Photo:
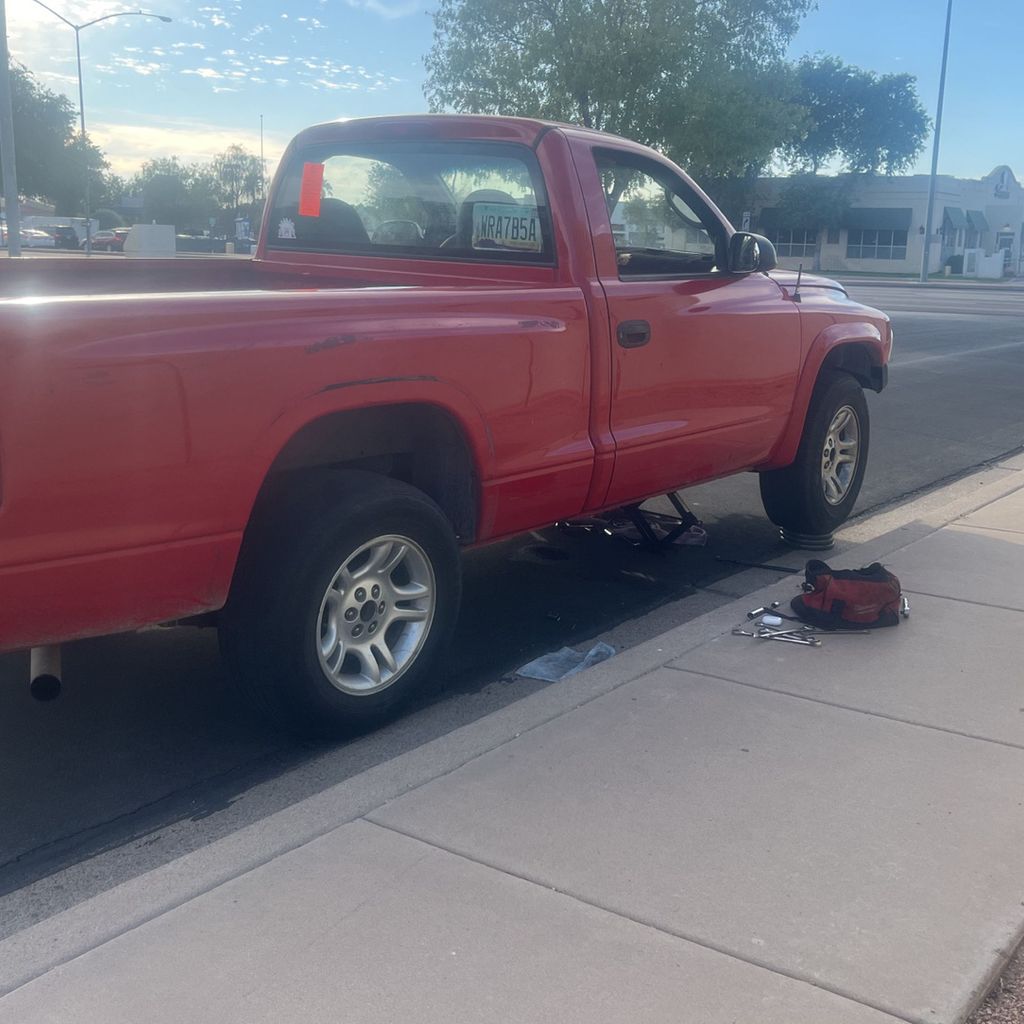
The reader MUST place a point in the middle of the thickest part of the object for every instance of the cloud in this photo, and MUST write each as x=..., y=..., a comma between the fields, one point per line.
x=140, y=67
x=203, y=72
x=129, y=146
x=390, y=11
x=47, y=47
x=188, y=46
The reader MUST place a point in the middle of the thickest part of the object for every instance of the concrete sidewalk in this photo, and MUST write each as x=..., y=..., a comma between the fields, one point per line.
x=706, y=828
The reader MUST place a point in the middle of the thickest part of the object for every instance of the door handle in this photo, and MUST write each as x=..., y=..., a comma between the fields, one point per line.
x=634, y=333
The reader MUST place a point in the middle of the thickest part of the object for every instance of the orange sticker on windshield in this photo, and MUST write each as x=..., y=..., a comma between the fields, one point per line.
x=309, y=193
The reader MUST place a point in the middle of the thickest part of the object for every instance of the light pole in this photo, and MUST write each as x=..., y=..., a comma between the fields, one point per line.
x=935, y=148
x=81, y=95
x=13, y=214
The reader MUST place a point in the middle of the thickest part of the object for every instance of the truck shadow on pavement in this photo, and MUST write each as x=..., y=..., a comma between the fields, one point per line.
x=149, y=732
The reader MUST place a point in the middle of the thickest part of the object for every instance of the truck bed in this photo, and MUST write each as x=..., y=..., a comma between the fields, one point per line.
x=106, y=275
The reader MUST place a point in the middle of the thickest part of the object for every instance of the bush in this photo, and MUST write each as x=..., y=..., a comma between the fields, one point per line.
x=956, y=264
x=109, y=219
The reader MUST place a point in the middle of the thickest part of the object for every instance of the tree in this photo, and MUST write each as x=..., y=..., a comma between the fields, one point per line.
x=53, y=160
x=866, y=122
x=174, y=193
x=238, y=175
x=704, y=80
x=43, y=126
x=81, y=160
x=108, y=218
x=815, y=201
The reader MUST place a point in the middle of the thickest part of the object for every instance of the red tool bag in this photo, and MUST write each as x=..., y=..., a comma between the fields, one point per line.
x=848, y=598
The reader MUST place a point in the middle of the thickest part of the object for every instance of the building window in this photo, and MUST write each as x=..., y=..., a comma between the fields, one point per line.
x=833, y=236
x=797, y=242
x=876, y=245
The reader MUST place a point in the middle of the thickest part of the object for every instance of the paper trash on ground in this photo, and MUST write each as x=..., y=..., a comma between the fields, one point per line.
x=558, y=665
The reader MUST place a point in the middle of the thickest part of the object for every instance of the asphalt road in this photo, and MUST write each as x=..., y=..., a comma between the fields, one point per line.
x=147, y=755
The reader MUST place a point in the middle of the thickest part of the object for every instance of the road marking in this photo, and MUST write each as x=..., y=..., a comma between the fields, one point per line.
x=960, y=354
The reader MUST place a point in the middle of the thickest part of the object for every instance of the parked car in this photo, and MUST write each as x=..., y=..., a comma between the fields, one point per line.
x=30, y=238
x=109, y=240
x=300, y=444
x=33, y=238
x=63, y=235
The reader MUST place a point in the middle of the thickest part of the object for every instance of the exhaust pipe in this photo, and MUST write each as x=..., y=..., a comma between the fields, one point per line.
x=44, y=672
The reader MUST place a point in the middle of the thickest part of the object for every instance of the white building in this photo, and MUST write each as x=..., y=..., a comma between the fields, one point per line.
x=980, y=222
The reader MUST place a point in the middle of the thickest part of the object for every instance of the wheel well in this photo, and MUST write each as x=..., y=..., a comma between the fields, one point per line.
x=854, y=359
x=418, y=444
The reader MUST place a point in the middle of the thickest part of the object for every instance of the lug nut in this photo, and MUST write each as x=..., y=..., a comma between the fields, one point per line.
x=375, y=592
x=360, y=594
x=372, y=628
x=357, y=631
x=381, y=608
x=350, y=614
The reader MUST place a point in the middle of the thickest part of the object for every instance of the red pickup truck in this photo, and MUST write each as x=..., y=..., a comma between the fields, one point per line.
x=454, y=329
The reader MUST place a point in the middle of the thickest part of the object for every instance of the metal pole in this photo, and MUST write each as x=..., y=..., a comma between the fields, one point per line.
x=81, y=121
x=263, y=166
x=935, y=148
x=81, y=97
x=7, y=143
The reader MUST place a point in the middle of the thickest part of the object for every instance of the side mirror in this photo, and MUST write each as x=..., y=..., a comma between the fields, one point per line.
x=749, y=254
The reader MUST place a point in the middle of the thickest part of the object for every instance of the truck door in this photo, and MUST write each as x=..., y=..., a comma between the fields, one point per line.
x=704, y=363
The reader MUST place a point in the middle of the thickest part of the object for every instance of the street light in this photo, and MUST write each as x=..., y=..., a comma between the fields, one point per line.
x=81, y=95
x=935, y=148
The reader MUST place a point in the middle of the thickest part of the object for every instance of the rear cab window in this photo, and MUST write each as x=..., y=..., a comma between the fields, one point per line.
x=458, y=200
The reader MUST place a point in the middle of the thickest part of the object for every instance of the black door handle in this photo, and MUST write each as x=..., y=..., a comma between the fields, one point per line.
x=634, y=333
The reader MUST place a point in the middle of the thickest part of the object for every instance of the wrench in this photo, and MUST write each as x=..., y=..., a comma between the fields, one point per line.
x=791, y=638
x=753, y=614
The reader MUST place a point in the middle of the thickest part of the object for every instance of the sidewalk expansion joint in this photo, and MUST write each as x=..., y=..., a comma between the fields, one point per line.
x=849, y=707
x=694, y=940
x=966, y=600
x=957, y=524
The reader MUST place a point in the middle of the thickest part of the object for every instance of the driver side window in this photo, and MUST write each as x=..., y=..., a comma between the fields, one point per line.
x=659, y=229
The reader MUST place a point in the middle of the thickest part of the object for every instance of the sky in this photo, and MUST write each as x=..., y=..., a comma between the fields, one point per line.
x=195, y=86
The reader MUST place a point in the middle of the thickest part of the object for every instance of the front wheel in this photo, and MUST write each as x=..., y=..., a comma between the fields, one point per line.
x=816, y=494
x=346, y=593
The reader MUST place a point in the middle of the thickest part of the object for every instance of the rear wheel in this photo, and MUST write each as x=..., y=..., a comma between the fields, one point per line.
x=816, y=494
x=346, y=593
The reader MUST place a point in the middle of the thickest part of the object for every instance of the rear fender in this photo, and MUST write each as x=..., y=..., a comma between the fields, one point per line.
x=349, y=396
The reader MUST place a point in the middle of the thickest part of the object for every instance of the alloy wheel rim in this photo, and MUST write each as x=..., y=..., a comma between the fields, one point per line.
x=839, y=455
x=375, y=615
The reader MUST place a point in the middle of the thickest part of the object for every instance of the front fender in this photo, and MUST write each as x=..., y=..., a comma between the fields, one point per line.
x=875, y=340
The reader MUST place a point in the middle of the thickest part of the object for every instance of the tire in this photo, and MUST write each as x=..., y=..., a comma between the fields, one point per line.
x=345, y=595
x=816, y=494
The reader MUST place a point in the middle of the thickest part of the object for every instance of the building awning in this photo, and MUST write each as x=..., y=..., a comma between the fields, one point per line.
x=881, y=218
x=977, y=219
x=956, y=217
